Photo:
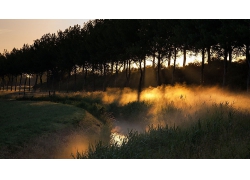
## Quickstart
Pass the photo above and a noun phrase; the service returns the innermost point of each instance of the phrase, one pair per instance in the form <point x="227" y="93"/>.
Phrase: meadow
<point x="186" y="122"/>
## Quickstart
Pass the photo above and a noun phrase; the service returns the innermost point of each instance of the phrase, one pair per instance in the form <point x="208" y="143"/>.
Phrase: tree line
<point x="105" y="47"/>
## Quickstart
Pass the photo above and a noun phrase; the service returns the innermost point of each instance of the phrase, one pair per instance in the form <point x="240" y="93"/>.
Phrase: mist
<point x="177" y="105"/>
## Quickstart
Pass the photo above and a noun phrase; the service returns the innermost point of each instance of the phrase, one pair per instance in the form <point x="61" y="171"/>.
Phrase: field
<point x="168" y="122"/>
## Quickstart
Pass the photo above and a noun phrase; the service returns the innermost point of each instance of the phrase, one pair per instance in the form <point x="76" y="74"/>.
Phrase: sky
<point x="28" y="21"/>
<point x="16" y="32"/>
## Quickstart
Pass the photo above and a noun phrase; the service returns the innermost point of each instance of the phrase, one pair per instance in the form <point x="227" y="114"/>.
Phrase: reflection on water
<point x="77" y="143"/>
<point x="81" y="142"/>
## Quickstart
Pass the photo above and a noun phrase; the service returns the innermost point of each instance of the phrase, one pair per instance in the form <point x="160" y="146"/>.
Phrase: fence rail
<point x="26" y="93"/>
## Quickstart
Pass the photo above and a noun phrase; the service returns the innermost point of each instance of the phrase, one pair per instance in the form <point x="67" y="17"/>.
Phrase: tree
<point x="243" y="32"/>
<point x="202" y="39"/>
<point x="226" y="38"/>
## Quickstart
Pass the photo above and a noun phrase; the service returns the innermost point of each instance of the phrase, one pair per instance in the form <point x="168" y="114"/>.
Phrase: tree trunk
<point x="85" y="78"/>
<point x="3" y="82"/>
<point x="225" y="68"/>
<point x="29" y="83"/>
<point x="169" y="58"/>
<point x="59" y="84"/>
<point x="116" y="73"/>
<point x="93" y="75"/>
<point x="41" y="81"/>
<point x="104" y="77"/>
<point x="11" y="83"/>
<point x="47" y="80"/>
<point x="153" y="63"/>
<point x="230" y="55"/>
<point x="202" y="66"/>
<point x="75" y="78"/>
<point x="68" y="81"/>
<point x="144" y="71"/>
<point x="101" y="69"/>
<point x="128" y="72"/>
<point x="173" y="73"/>
<point x="159" y="69"/>
<point x="53" y="82"/>
<point x="248" y="62"/>
<point x="83" y="70"/>
<point x="24" y="88"/>
<point x="35" y="86"/>
<point x="184" y="56"/>
<point x="8" y="83"/>
<point x="112" y="67"/>
<point x="208" y="55"/>
<point x="20" y="83"/>
<point x="124" y="65"/>
<point x="140" y="81"/>
<point x="16" y="83"/>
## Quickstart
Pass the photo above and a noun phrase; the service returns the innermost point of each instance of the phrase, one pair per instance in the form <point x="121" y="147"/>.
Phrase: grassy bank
<point x="24" y="123"/>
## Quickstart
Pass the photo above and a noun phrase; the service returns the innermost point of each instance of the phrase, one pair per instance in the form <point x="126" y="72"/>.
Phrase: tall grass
<point x="168" y="122"/>
<point x="220" y="132"/>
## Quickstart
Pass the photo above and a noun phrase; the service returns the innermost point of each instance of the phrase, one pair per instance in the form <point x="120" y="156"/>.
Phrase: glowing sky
<point x="16" y="32"/>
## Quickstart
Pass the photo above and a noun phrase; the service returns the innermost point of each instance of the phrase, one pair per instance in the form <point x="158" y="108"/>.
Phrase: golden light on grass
<point x="175" y="105"/>
<point x="172" y="105"/>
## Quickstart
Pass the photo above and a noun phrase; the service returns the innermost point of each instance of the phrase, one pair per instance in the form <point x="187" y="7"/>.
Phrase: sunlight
<point x="29" y="76"/>
<point x="117" y="138"/>
<point x="190" y="58"/>
<point x="149" y="96"/>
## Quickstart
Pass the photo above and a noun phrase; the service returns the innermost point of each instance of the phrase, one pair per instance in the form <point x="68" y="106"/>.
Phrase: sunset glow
<point x="16" y="32"/>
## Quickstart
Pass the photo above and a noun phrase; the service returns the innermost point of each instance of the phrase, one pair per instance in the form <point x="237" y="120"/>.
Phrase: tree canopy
<point x="105" y="46"/>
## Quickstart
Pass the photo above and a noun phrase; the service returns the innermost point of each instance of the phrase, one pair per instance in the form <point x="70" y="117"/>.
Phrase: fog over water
<point x="177" y="105"/>
<point x="169" y="105"/>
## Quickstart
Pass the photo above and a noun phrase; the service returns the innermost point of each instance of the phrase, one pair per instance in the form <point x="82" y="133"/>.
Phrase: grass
<point x="220" y="132"/>
<point x="92" y="104"/>
<point x="132" y="112"/>
<point x="169" y="122"/>
<point x="24" y="121"/>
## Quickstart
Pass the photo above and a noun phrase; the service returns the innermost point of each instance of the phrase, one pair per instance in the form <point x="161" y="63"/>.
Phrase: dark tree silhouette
<point x="103" y="49"/>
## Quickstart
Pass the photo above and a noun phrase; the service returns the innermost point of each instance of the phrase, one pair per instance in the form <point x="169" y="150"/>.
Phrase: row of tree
<point x="105" y="47"/>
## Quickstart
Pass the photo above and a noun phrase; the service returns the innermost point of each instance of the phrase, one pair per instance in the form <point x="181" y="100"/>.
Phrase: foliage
<point x="131" y="112"/>
<point x="101" y="48"/>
